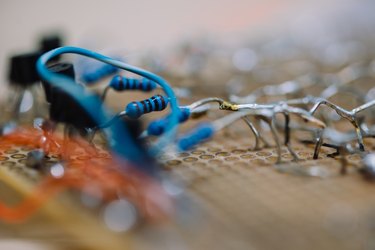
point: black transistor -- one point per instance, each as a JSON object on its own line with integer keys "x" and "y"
{"x": 22, "y": 70}
{"x": 63, "y": 107}
{"x": 50, "y": 42}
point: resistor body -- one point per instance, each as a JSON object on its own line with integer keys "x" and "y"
{"x": 138, "y": 108}
{"x": 159, "y": 126}
{"x": 121, "y": 83}
{"x": 201, "y": 133}
{"x": 94, "y": 74}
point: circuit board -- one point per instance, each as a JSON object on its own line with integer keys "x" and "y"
{"x": 233, "y": 193}
{"x": 227, "y": 194}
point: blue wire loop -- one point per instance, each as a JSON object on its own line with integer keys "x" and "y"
{"x": 122, "y": 144}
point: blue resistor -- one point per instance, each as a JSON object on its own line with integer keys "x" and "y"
{"x": 158, "y": 127}
{"x": 202, "y": 132}
{"x": 120, "y": 83}
{"x": 154, "y": 103}
{"x": 94, "y": 74}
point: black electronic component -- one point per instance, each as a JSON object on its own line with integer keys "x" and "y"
{"x": 63, "y": 108}
{"x": 22, "y": 69}
{"x": 49, "y": 43}
{"x": 66, "y": 69}
{"x": 134, "y": 126}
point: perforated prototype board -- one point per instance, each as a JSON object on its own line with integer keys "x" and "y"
{"x": 262, "y": 206}
{"x": 241, "y": 201}
{"x": 236, "y": 198}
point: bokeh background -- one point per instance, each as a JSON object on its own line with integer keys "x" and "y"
{"x": 143, "y": 25}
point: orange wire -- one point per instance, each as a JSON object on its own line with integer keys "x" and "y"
{"x": 96, "y": 169}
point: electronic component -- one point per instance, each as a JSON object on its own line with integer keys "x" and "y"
{"x": 205, "y": 131}
{"x": 24, "y": 96}
{"x": 138, "y": 108}
{"x": 201, "y": 133}
{"x": 22, "y": 70}
{"x": 64, "y": 108}
{"x": 194, "y": 110}
{"x": 157, "y": 127}
{"x": 50, "y": 42}
{"x": 94, "y": 73}
{"x": 121, "y": 83}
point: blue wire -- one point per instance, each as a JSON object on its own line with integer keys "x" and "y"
{"x": 123, "y": 145}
